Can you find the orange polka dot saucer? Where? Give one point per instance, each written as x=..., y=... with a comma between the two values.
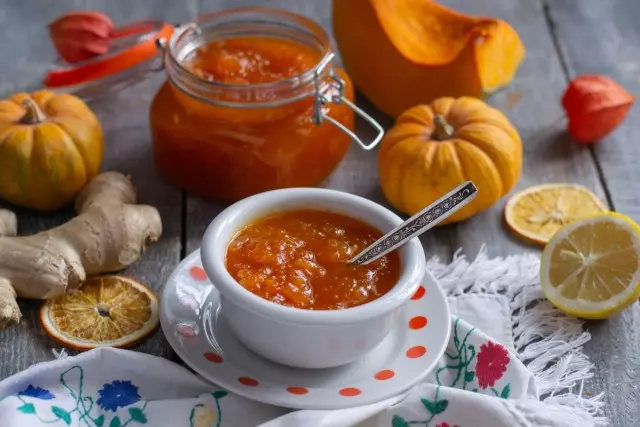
x=199, y=334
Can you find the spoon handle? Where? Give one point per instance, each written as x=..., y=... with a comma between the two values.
x=427, y=218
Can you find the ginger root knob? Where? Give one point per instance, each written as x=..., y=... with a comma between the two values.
x=110, y=232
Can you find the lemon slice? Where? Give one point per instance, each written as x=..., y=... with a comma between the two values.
x=591, y=268
x=114, y=311
x=538, y=212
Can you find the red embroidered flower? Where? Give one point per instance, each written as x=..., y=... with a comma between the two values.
x=492, y=364
x=445, y=425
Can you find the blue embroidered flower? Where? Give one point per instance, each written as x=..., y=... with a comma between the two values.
x=118, y=394
x=37, y=392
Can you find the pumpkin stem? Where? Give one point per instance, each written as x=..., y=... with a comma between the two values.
x=34, y=114
x=443, y=129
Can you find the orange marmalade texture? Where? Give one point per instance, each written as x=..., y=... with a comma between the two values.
x=249, y=60
x=298, y=259
x=228, y=153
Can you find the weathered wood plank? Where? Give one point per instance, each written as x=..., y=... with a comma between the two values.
x=124, y=117
x=604, y=38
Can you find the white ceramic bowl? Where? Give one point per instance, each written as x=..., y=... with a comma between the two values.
x=297, y=337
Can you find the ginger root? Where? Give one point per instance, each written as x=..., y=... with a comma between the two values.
x=109, y=233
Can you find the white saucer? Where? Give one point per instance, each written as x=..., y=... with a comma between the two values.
x=191, y=322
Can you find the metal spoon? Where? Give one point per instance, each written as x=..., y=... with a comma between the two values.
x=427, y=218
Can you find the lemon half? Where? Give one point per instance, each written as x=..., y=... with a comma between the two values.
x=591, y=267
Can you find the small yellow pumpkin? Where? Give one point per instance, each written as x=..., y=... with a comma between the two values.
x=433, y=148
x=50, y=147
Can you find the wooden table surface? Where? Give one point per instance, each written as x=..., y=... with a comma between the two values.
x=564, y=38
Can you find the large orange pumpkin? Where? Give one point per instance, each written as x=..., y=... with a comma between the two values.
x=433, y=148
x=50, y=147
x=401, y=53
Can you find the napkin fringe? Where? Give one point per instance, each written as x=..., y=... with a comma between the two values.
x=60, y=353
x=547, y=341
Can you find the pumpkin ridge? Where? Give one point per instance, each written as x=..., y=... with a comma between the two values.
x=42, y=99
x=479, y=169
x=387, y=171
x=510, y=132
x=23, y=181
x=468, y=110
x=442, y=106
x=502, y=158
x=5, y=132
x=421, y=115
x=421, y=167
x=10, y=110
x=454, y=143
x=490, y=159
x=38, y=164
x=426, y=149
x=54, y=186
x=463, y=144
x=443, y=171
x=79, y=147
x=10, y=181
x=72, y=107
x=64, y=131
x=410, y=130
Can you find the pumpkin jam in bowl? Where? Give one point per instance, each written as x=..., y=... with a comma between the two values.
x=300, y=259
x=278, y=260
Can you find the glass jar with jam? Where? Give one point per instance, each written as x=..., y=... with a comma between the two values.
x=252, y=102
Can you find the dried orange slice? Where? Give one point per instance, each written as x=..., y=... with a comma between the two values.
x=112, y=310
x=591, y=268
x=538, y=212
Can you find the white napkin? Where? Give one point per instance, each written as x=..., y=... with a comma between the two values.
x=479, y=382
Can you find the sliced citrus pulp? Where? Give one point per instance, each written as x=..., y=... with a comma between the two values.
x=538, y=212
x=113, y=310
x=591, y=267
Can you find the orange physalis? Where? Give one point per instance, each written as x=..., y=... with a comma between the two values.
x=81, y=35
x=595, y=106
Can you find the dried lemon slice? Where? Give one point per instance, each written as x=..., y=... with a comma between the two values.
x=114, y=311
x=538, y=212
x=591, y=268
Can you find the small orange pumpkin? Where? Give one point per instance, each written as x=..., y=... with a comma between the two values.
x=433, y=148
x=401, y=53
x=50, y=147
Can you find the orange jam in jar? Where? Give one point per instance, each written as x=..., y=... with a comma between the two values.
x=252, y=60
x=240, y=111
